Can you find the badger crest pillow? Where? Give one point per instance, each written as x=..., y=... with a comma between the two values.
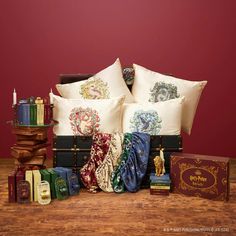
x=106, y=84
x=85, y=117
x=150, y=86
x=162, y=118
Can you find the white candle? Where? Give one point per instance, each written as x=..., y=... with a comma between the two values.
x=51, y=97
x=162, y=154
x=14, y=97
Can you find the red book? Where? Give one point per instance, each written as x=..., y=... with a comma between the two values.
x=47, y=114
x=159, y=192
x=20, y=175
x=12, y=186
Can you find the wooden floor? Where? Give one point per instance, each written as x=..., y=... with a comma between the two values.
x=117, y=214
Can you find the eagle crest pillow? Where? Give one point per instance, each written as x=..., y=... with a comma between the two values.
x=162, y=118
x=108, y=83
x=150, y=86
x=85, y=117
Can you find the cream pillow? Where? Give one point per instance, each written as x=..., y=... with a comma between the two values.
x=162, y=118
x=85, y=116
x=150, y=86
x=108, y=83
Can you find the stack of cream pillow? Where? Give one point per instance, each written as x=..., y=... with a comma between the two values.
x=158, y=104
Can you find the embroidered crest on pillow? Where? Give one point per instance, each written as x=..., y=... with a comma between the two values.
x=108, y=83
x=151, y=86
x=85, y=117
x=163, y=91
x=160, y=118
x=84, y=121
x=146, y=122
x=94, y=88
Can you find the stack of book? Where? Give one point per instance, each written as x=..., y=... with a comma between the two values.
x=33, y=111
x=23, y=183
x=31, y=145
x=159, y=185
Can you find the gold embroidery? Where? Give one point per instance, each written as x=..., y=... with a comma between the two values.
x=213, y=171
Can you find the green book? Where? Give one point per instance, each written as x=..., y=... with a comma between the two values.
x=33, y=114
x=45, y=175
x=32, y=110
x=53, y=176
x=159, y=184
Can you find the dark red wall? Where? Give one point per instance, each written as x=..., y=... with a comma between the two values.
x=194, y=40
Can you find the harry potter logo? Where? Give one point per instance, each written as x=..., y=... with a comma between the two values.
x=198, y=178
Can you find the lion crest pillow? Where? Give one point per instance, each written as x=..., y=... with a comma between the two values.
x=162, y=118
x=108, y=83
x=150, y=86
x=85, y=117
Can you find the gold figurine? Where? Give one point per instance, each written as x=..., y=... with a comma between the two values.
x=159, y=163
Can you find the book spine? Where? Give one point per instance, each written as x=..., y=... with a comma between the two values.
x=12, y=187
x=20, y=114
x=45, y=176
x=33, y=114
x=19, y=176
x=40, y=114
x=26, y=114
x=47, y=114
x=160, y=183
x=36, y=180
x=160, y=187
x=53, y=176
x=159, y=192
x=29, y=178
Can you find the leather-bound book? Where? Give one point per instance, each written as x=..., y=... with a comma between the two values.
x=28, y=142
x=40, y=152
x=29, y=131
x=41, y=135
x=35, y=160
x=31, y=148
x=21, y=155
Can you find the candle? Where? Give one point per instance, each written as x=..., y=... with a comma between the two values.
x=14, y=97
x=51, y=97
x=162, y=154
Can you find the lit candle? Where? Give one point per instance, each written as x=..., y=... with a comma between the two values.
x=14, y=97
x=51, y=97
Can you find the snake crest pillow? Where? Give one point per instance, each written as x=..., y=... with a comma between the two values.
x=108, y=83
x=150, y=86
x=162, y=118
x=86, y=117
